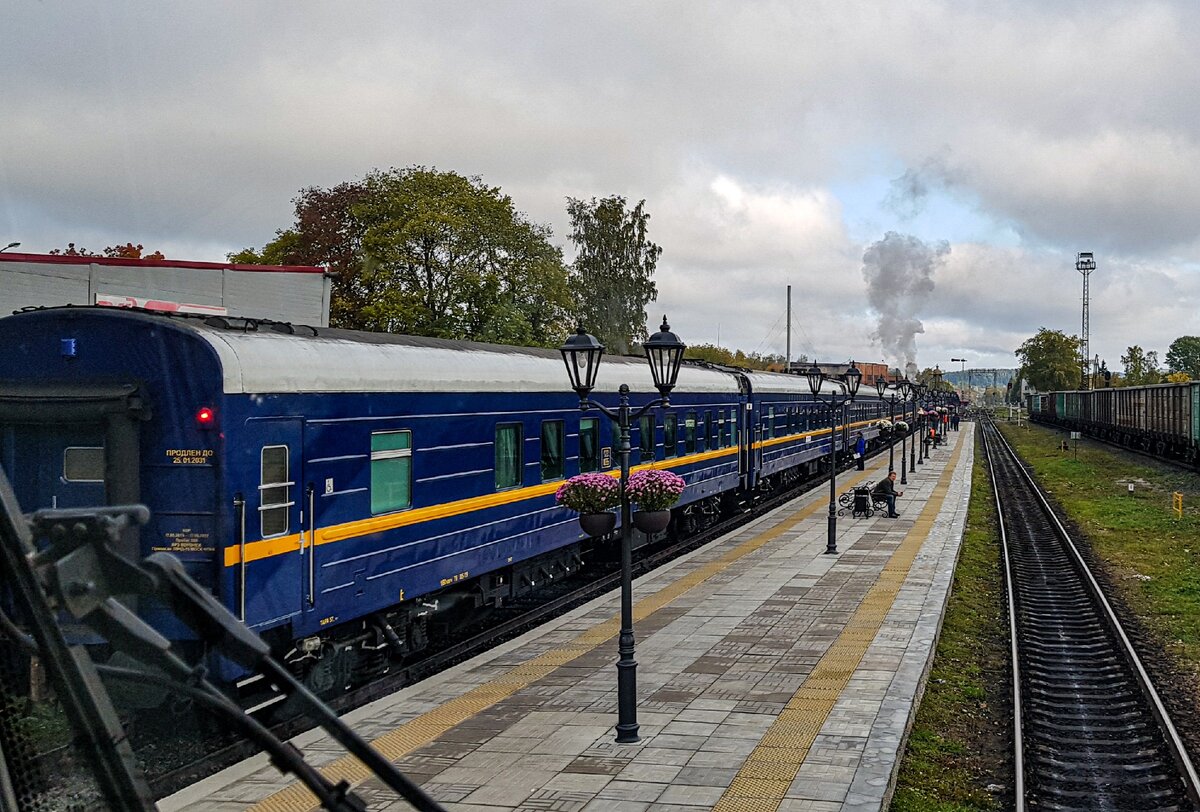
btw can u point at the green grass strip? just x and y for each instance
(960, 741)
(1151, 557)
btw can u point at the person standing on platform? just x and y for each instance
(860, 452)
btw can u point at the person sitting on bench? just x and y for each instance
(886, 490)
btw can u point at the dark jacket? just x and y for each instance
(886, 487)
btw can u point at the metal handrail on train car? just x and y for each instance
(239, 504)
(312, 545)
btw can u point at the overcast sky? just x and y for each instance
(774, 144)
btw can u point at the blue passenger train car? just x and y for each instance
(336, 490)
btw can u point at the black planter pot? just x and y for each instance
(651, 521)
(598, 524)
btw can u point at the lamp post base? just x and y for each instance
(627, 725)
(831, 540)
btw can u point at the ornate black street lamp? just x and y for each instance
(834, 404)
(907, 463)
(939, 397)
(881, 386)
(664, 354)
(919, 390)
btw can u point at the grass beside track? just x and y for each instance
(960, 740)
(1151, 557)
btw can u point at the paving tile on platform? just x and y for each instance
(643, 791)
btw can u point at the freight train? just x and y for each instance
(1163, 419)
(343, 492)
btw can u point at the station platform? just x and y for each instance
(770, 677)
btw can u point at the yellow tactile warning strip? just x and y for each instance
(425, 728)
(769, 770)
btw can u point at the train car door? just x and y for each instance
(55, 466)
(275, 567)
(742, 435)
(74, 446)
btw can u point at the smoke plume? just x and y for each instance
(909, 192)
(899, 273)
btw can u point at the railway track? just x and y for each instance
(1091, 732)
(1182, 465)
(572, 594)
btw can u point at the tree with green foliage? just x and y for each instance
(928, 378)
(1184, 356)
(612, 275)
(432, 253)
(1050, 360)
(734, 358)
(1012, 392)
(1141, 367)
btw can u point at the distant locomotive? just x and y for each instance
(1163, 419)
(340, 491)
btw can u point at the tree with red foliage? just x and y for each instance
(72, 251)
(126, 251)
(325, 233)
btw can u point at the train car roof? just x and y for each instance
(268, 357)
(772, 383)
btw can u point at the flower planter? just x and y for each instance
(598, 524)
(651, 521)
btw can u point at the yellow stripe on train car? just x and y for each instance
(282, 545)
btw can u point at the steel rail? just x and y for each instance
(1172, 739)
(1009, 578)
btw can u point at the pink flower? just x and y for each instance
(654, 489)
(589, 493)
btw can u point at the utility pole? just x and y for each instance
(1085, 263)
(787, 358)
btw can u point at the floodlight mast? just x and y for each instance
(1085, 263)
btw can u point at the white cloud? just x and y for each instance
(731, 249)
(1073, 125)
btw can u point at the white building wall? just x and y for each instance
(301, 298)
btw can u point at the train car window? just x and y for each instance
(770, 422)
(710, 439)
(589, 445)
(552, 449)
(83, 464)
(733, 435)
(509, 456)
(670, 436)
(391, 471)
(723, 438)
(646, 437)
(689, 433)
(274, 491)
